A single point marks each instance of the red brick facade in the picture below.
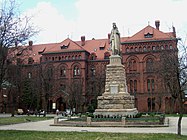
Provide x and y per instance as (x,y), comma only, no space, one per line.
(77,68)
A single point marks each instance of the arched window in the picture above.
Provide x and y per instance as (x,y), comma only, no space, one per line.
(62,71)
(76,71)
(106,55)
(162,47)
(93,56)
(153,48)
(144,49)
(93,71)
(50,72)
(136,49)
(149,65)
(131,50)
(132,65)
(127,50)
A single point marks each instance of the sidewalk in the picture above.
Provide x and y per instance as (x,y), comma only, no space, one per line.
(45,126)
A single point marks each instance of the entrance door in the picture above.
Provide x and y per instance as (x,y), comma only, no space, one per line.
(60,104)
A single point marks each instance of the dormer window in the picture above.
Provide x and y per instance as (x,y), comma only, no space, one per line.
(148,35)
(64,47)
(30,60)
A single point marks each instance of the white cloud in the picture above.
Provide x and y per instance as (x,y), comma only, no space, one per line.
(95,18)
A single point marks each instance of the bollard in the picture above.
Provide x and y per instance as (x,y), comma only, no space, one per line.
(88,120)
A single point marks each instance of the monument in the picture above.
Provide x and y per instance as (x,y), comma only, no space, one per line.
(115,101)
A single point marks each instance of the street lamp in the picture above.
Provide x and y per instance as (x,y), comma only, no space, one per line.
(4,100)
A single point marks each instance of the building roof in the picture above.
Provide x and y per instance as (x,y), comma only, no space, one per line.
(149,30)
(97,46)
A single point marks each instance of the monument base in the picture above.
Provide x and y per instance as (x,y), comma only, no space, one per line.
(116,112)
(115,101)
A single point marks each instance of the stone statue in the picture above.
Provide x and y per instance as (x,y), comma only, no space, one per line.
(115,40)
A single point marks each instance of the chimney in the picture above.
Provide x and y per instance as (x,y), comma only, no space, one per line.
(157,24)
(30,43)
(108,38)
(82,40)
(174,32)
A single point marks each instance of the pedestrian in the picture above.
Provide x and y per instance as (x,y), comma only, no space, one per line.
(57,112)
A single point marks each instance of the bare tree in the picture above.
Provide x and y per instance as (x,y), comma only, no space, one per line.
(173,70)
(75,98)
(14,31)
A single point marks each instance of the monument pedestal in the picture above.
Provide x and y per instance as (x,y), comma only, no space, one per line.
(115,101)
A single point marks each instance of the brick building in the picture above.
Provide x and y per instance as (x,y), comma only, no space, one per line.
(71,74)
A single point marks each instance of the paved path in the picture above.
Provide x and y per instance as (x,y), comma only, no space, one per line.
(45,126)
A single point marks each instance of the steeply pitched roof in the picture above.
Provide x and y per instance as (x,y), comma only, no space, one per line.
(156,35)
(64,46)
(96,46)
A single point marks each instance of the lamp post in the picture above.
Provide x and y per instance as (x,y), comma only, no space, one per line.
(4,100)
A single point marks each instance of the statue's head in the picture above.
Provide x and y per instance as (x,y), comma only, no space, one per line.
(114,25)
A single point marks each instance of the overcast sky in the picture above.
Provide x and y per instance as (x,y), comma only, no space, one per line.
(59,19)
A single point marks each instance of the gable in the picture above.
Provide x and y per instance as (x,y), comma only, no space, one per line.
(149,33)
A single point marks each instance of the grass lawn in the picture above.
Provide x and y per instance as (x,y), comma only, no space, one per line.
(21,119)
(175,115)
(37,135)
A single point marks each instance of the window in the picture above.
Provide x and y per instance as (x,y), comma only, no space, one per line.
(151,104)
(101,48)
(170,47)
(162,47)
(30,60)
(127,50)
(50,72)
(93,56)
(131,50)
(64,47)
(149,65)
(132,65)
(166,47)
(93,71)
(80,56)
(150,85)
(144,49)
(29,75)
(133,87)
(106,55)
(76,71)
(148,35)
(62,71)
(136,49)
(153,48)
